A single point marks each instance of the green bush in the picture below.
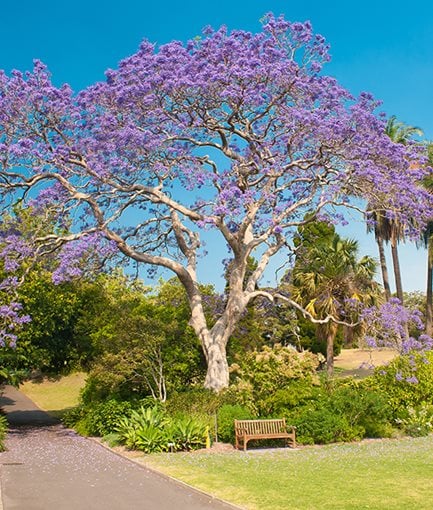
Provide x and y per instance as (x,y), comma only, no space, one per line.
(150,439)
(419,422)
(98,419)
(197,401)
(72,416)
(227,414)
(187,433)
(260,374)
(295,394)
(344,411)
(3,432)
(112,377)
(152,430)
(362,406)
(407,381)
(320,425)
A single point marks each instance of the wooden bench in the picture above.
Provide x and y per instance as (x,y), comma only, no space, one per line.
(245,430)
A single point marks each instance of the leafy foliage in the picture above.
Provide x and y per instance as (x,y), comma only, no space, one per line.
(3,431)
(99,419)
(144,344)
(418,422)
(226,416)
(151,430)
(345,413)
(259,374)
(407,381)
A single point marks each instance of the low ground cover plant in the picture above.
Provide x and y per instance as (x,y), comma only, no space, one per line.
(140,426)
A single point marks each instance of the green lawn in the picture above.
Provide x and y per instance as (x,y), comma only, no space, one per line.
(380,474)
(55,396)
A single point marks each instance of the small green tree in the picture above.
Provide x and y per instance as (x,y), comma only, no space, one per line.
(143,341)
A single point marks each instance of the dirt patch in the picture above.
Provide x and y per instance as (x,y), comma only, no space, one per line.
(359,359)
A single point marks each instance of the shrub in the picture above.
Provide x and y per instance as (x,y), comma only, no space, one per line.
(419,422)
(98,419)
(362,406)
(297,393)
(320,425)
(151,430)
(259,374)
(197,401)
(3,432)
(227,414)
(112,377)
(345,411)
(150,439)
(187,433)
(407,381)
(72,416)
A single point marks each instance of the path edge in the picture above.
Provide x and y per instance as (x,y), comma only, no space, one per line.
(164,476)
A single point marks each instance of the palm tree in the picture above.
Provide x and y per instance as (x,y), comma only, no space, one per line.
(380,225)
(387,230)
(325,280)
(428,243)
(399,132)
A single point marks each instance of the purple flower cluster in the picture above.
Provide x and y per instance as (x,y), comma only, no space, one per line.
(10,321)
(75,257)
(388,326)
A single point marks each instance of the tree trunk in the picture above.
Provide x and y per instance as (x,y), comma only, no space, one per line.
(348,335)
(217,376)
(384,269)
(397,272)
(429,293)
(330,352)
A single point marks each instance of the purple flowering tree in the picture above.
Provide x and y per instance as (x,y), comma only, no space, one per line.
(388,326)
(236,133)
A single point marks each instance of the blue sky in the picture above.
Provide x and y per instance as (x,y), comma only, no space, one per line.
(382,47)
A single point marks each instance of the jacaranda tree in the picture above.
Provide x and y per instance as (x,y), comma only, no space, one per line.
(233,132)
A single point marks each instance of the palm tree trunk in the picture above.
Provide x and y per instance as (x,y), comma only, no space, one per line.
(429,293)
(397,272)
(384,268)
(330,337)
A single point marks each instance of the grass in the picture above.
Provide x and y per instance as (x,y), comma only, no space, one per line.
(376,474)
(55,396)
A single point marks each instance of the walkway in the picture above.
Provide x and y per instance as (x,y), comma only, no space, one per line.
(48,467)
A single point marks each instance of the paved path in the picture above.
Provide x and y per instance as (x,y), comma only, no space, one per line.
(48,467)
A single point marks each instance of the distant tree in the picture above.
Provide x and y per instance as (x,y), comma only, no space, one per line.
(427,238)
(385,227)
(328,279)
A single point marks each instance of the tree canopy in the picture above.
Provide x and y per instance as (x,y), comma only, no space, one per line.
(234,132)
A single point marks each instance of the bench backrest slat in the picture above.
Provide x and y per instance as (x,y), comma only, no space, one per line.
(256,427)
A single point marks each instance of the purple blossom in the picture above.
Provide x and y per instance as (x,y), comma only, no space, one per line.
(388,326)
(235,131)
